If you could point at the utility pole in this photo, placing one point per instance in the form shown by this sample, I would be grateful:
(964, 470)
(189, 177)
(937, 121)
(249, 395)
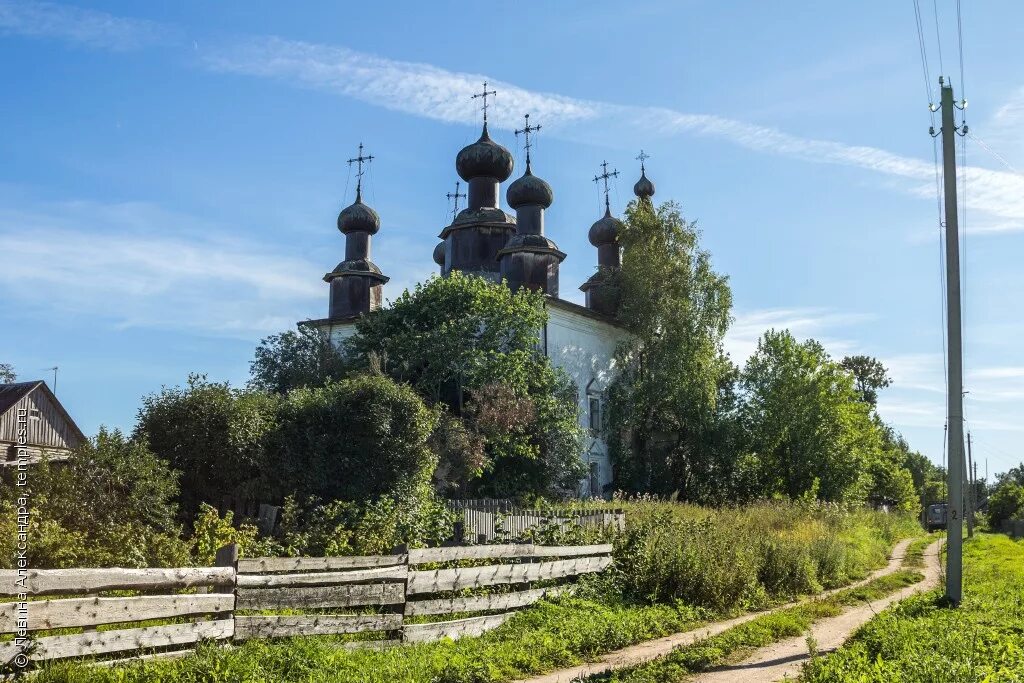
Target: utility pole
(955, 397)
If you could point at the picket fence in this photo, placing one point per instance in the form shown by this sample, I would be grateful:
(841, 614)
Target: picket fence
(490, 520)
(216, 603)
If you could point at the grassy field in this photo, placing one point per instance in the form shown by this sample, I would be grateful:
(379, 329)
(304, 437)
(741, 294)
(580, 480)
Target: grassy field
(676, 566)
(923, 641)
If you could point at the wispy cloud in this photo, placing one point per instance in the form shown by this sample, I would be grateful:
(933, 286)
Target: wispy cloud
(821, 324)
(425, 90)
(81, 26)
(132, 264)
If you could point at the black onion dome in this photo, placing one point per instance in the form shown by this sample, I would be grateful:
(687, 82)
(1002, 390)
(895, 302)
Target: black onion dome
(529, 190)
(644, 187)
(485, 158)
(358, 218)
(605, 230)
(439, 254)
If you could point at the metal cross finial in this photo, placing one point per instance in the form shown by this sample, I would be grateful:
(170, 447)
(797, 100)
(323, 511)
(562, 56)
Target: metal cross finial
(526, 130)
(484, 95)
(642, 157)
(359, 161)
(605, 176)
(455, 196)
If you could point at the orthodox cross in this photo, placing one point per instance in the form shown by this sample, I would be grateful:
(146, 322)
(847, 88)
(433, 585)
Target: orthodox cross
(605, 176)
(526, 130)
(484, 95)
(642, 157)
(455, 196)
(359, 161)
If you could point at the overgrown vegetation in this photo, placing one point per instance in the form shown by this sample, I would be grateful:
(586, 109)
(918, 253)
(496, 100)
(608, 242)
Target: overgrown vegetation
(922, 640)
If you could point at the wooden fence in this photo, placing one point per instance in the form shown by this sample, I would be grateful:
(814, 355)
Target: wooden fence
(489, 520)
(217, 603)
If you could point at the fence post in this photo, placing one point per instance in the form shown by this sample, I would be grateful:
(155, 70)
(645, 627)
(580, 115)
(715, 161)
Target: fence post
(227, 556)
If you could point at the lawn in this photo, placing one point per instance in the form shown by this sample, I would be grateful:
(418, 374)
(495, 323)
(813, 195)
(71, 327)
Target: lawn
(921, 640)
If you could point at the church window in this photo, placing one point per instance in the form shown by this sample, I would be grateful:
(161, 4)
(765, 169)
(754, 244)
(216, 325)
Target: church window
(595, 410)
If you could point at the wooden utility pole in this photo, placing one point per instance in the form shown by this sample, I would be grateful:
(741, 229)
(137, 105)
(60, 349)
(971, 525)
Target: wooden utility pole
(955, 396)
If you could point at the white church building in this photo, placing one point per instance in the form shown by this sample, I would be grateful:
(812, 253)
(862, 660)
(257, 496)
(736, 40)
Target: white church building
(486, 241)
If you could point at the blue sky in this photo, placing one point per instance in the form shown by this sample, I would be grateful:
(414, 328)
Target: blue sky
(172, 172)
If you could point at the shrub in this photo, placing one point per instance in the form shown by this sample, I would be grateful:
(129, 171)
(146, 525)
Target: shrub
(1006, 502)
(110, 503)
(357, 440)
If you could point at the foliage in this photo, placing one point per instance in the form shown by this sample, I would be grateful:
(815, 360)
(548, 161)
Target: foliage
(1006, 502)
(551, 635)
(923, 640)
(7, 373)
(869, 375)
(210, 532)
(471, 345)
(356, 440)
(213, 434)
(805, 423)
(666, 426)
(749, 557)
(295, 360)
(111, 503)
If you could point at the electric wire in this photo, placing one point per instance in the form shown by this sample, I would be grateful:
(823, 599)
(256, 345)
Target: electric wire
(994, 153)
(938, 37)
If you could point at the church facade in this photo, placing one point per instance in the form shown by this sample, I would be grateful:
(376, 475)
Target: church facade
(484, 240)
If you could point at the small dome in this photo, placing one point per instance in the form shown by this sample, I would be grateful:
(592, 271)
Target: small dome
(439, 254)
(358, 218)
(529, 189)
(644, 187)
(485, 158)
(605, 230)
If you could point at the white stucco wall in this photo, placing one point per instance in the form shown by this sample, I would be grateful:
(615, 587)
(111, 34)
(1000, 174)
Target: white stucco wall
(584, 347)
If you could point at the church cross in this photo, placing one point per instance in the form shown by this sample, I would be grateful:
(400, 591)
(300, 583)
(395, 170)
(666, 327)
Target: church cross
(484, 95)
(642, 157)
(359, 161)
(526, 130)
(455, 196)
(605, 176)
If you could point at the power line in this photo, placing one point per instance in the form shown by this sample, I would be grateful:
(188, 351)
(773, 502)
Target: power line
(994, 153)
(938, 38)
(924, 57)
(960, 45)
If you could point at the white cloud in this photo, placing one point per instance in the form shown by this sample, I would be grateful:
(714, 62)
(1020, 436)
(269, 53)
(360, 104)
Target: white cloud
(133, 264)
(81, 26)
(820, 324)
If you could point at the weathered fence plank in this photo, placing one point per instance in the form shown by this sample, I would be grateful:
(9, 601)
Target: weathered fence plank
(266, 565)
(313, 625)
(102, 642)
(49, 614)
(347, 595)
(44, 581)
(458, 628)
(473, 577)
(321, 578)
(476, 552)
(481, 603)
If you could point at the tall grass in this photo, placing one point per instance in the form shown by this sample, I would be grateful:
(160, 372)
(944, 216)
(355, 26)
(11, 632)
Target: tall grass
(749, 557)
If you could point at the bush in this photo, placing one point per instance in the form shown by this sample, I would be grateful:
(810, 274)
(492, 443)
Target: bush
(356, 440)
(111, 503)
(1006, 502)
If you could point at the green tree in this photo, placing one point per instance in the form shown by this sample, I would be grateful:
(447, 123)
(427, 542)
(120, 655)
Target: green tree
(471, 345)
(1006, 502)
(111, 503)
(352, 440)
(7, 373)
(805, 420)
(295, 360)
(669, 407)
(214, 435)
(869, 376)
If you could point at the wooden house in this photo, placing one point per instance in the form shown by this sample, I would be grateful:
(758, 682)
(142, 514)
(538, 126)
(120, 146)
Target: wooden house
(31, 416)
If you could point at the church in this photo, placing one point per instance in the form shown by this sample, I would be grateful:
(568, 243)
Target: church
(484, 240)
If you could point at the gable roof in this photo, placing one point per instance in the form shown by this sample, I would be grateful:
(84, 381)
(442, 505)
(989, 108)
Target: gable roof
(13, 392)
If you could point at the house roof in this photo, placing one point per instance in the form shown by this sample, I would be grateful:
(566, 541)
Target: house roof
(13, 392)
